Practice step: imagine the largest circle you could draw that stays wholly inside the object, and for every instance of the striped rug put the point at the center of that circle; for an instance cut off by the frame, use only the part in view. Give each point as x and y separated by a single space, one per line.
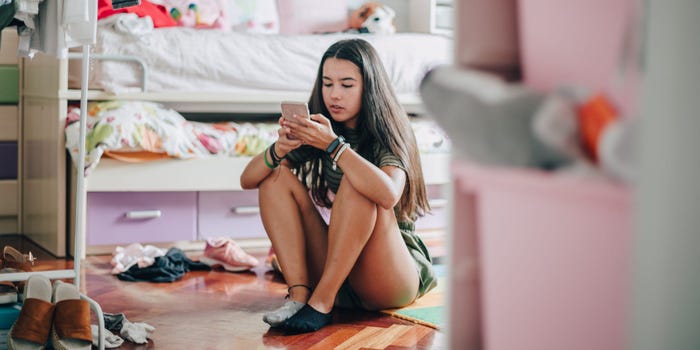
430 309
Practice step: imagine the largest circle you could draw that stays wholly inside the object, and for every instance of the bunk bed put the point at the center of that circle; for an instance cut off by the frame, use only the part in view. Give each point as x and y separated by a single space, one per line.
204 192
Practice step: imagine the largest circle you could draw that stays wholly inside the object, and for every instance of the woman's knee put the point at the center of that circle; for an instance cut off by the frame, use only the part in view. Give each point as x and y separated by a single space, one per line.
279 179
348 194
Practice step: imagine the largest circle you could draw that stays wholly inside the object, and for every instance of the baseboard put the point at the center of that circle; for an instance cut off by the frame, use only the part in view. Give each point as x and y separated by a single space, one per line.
253 245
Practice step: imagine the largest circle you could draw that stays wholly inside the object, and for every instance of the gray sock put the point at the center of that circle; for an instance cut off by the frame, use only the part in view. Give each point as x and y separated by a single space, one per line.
276 318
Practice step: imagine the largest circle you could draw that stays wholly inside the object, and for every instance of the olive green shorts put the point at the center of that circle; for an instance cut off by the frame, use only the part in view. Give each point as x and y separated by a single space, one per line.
347 298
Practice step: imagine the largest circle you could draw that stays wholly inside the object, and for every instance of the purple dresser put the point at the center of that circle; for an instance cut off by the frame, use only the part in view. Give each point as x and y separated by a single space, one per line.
8 160
437 219
231 214
143 217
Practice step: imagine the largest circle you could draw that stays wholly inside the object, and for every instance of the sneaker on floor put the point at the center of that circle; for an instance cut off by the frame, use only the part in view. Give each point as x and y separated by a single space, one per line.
226 253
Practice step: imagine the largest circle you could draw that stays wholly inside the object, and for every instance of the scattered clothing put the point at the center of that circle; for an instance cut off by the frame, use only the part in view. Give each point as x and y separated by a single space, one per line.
130 24
114 322
111 340
138 332
134 254
168 268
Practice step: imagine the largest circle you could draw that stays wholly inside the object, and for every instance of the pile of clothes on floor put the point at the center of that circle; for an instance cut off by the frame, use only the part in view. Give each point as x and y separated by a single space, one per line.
136 262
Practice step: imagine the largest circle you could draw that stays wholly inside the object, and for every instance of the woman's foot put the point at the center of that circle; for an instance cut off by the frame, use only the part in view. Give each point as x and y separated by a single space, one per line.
278 317
307 320
298 295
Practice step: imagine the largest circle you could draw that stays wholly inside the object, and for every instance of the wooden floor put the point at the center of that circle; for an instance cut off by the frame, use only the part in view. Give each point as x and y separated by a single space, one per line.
223 310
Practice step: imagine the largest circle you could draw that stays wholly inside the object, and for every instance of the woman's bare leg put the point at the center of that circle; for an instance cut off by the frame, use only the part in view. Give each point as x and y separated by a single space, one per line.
365 245
295 228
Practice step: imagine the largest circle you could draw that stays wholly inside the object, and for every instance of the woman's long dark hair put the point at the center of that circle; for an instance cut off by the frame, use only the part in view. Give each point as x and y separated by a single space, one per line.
382 122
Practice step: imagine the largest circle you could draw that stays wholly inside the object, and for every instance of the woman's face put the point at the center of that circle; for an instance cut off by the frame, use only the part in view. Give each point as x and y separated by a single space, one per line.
342 90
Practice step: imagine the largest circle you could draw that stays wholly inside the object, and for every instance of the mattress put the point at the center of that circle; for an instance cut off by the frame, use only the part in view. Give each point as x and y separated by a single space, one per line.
195 60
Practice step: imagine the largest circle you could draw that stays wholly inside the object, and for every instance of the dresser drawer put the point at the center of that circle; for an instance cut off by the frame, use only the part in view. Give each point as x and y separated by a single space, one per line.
437 219
9 88
8 123
230 214
8 160
140 217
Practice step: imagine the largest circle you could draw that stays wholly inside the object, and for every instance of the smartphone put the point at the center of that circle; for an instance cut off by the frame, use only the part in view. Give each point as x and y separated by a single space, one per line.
290 108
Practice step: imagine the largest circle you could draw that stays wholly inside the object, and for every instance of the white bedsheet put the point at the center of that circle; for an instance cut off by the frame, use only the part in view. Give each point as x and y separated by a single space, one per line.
185 59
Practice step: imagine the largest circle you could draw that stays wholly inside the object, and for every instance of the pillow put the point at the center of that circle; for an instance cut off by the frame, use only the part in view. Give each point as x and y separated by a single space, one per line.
197 13
313 16
254 16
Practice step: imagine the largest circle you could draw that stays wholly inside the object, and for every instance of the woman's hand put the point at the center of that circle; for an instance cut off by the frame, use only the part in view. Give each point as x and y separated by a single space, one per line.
284 144
316 132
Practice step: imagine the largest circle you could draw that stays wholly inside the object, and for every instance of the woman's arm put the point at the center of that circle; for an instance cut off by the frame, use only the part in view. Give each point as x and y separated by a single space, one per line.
383 186
257 169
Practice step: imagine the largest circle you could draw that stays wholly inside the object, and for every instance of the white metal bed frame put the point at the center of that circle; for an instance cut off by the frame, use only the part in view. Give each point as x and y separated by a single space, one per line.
79 232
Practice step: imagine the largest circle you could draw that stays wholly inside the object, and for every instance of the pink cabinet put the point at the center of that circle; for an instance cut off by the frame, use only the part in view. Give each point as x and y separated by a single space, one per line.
543 260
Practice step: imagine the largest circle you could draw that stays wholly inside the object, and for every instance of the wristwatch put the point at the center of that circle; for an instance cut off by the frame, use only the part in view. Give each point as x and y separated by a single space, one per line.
340 139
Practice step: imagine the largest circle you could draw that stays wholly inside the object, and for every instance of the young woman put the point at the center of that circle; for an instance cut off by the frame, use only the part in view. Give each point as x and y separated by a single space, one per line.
356 155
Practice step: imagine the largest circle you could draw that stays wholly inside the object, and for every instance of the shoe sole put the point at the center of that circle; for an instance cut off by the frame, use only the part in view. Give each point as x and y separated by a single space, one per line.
8 298
228 267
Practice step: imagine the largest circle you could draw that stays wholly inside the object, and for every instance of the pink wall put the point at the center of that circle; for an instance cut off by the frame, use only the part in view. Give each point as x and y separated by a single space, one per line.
577 42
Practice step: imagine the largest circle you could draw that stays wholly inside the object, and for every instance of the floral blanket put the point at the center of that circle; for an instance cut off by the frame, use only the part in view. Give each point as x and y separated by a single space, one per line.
138 126
135 126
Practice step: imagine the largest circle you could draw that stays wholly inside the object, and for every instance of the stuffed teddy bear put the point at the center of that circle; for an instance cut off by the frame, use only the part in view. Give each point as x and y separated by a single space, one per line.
373 17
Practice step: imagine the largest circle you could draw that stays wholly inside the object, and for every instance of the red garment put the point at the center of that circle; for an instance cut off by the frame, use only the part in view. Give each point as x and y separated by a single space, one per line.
159 14
594 116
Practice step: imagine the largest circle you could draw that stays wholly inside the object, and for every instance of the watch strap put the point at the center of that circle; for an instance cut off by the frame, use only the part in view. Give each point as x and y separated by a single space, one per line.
338 140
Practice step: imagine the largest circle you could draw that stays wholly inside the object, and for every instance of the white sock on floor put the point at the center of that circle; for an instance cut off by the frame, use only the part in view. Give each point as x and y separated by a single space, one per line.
276 318
138 332
111 340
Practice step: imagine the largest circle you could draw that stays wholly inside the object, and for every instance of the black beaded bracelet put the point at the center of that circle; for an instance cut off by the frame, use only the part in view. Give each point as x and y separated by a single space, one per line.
338 140
275 158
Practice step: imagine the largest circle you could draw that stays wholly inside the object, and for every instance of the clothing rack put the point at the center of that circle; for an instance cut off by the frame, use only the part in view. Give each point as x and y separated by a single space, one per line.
78 237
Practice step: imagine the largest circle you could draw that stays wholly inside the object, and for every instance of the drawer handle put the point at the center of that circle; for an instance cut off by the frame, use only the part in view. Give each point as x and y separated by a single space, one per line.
246 210
143 214
437 203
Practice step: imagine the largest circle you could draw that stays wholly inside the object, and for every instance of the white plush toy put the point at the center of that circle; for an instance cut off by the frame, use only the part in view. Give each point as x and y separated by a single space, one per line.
373 17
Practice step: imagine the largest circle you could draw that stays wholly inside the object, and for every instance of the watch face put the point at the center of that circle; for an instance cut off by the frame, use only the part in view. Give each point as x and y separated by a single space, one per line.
340 139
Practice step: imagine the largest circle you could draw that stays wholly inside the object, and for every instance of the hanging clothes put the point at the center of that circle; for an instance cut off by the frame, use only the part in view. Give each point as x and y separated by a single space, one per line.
59 28
8 9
